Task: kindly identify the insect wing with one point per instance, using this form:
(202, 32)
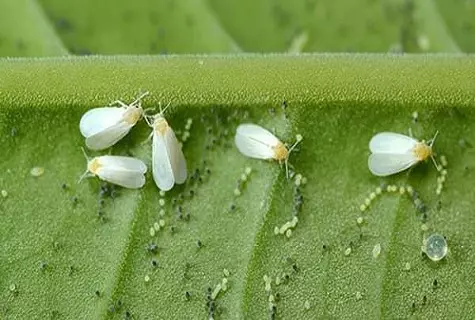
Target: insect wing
(390, 142)
(123, 171)
(255, 142)
(128, 163)
(385, 164)
(99, 119)
(109, 136)
(162, 168)
(176, 156)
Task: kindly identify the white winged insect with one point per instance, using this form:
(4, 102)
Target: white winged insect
(394, 152)
(104, 127)
(127, 172)
(256, 142)
(168, 161)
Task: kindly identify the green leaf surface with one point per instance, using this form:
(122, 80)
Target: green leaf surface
(459, 17)
(37, 27)
(25, 31)
(57, 250)
(146, 26)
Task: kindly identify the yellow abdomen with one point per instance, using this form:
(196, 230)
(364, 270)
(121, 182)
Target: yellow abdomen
(280, 152)
(422, 151)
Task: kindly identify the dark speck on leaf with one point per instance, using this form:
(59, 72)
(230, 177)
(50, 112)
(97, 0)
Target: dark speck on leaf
(63, 24)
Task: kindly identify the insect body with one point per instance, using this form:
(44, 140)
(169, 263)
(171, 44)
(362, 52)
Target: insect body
(127, 172)
(394, 152)
(256, 142)
(168, 161)
(104, 127)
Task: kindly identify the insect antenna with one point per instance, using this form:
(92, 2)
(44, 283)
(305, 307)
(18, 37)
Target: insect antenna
(86, 173)
(139, 98)
(299, 139)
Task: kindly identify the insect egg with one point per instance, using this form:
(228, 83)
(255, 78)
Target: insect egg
(435, 247)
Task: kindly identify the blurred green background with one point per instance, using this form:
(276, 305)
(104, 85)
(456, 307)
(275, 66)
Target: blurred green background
(81, 27)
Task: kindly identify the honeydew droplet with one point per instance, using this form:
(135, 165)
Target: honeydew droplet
(417, 202)
(443, 161)
(267, 288)
(388, 189)
(147, 278)
(407, 266)
(12, 287)
(152, 232)
(410, 190)
(367, 201)
(360, 220)
(288, 233)
(379, 190)
(226, 272)
(277, 280)
(271, 298)
(286, 226)
(372, 196)
(443, 172)
(294, 222)
(362, 207)
(376, 250)
(271, 306)
(161, 202)
(4, 193)
(276, 230)
(161, 213)
(297, 183)
(299, 137)
(402, 190)
(298, 176)
(237, 192)
(162, 193)
(248, 170)
(393, 188)
(423, 42)
(216, 291)
(161, 222)
(37, 171)
(266, 278)
(156, 226)
(306, 305)
(435, 246)
(359, 295)
(424, 227)
(415, 115)
(304, 180)
(243, 177)
(347, 251)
